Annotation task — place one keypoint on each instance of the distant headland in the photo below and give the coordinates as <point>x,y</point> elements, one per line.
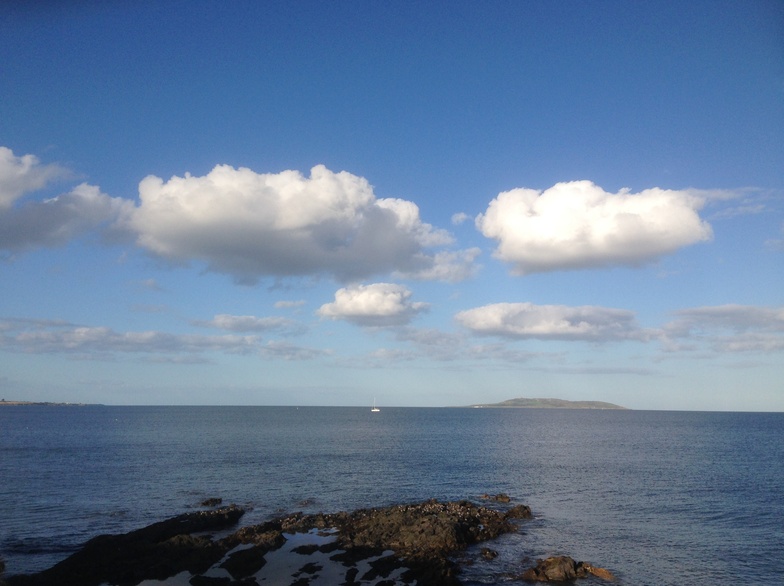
<point>44,403</point>
<point>524,403</point>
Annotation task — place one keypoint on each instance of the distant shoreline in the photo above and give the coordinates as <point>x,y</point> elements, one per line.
<point>40,403</point>
<point>519,403</point>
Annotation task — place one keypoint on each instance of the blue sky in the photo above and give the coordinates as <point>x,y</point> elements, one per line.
<point>320,203</point>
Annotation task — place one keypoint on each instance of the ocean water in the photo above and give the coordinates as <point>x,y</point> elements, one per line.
<point>658,498</point>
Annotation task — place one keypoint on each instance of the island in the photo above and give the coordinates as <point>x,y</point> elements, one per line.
<point>524,403</point>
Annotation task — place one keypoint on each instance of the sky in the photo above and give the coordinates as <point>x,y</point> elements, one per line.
<point>422,204</point>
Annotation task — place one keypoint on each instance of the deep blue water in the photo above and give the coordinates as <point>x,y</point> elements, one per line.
<point>656,497</point>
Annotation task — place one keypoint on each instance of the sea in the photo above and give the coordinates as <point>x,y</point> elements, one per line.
<point>656,497</point>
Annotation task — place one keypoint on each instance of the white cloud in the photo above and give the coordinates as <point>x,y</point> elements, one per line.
<point>776,244</point>
<point>379,304</point>
<point>451,266</point>
<point>151,285</point>
<point>460,218</point>
<point>385,356</point>
<point>103,341</point>
<point>289,304</point>
<point>729,328</point>
<point>578,225</point>
<point>278,350</point>
<point>55,221</point>
<point>740,210</point>
<point>552,322</point>
<point>22,175</point>
<point>25,225</point>
<point>250,323</point>
<point>433,343</point>
<point>251,225</point>
<point>455,347</point>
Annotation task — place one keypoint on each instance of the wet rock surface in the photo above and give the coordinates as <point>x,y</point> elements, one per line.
<point>400,544</point>
<point>563,569</point>
<point>157,551</point>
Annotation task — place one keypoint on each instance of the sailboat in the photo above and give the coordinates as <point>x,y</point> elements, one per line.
<point>375,409</point>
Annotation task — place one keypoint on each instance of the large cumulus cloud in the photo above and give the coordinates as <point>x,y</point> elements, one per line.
<point>250,225</point>
<point>578,225</point>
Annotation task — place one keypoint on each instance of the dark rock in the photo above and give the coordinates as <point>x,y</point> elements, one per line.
<point>267,535</point>
<point>519,512</point>
<point>212,502</point>
<point>561,569</point>
<point>489,554</point>
<point>329,547</point>
<point>158,551</point>
<point>307,549</point>
<point>382,567</point>
<point>418,531</point>
<point>245,562</point>
<point>309,568</point>
<point>351,556</point>
<point>498,498</point>
<point>351,577</point>
<point>423,539</point>
<point>424,535</point>
<point>552,569</point>
<point>598,572</point>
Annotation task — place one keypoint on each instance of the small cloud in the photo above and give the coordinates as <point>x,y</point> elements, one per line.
<point>776,244</point>
<point>376,305</point>
<point>250,323</point>
<point>276,350</point>
<point>446,266</point>
<point>738,202</point>
<point>289,304</point>
<point>145,308</point>
<point>177,359</point>
<point>552,322</point>
<point>460,218</point>
<point>578,225</point>
<point>740,210</point>
<point>386,355</point>
<point>503,353</point>
<point>103,343</point>
<point>727,329</point>
<point>151,285</point>
<point>433,343</point>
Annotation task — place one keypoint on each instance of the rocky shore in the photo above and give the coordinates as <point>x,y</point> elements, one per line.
<point>385,546</point>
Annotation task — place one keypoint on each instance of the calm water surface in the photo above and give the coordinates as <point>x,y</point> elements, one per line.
<point>657,497</point>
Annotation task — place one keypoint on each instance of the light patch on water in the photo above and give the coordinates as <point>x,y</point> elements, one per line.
<point>284,564</point>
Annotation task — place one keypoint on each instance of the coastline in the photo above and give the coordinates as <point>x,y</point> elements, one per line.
<point>422,543</point>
